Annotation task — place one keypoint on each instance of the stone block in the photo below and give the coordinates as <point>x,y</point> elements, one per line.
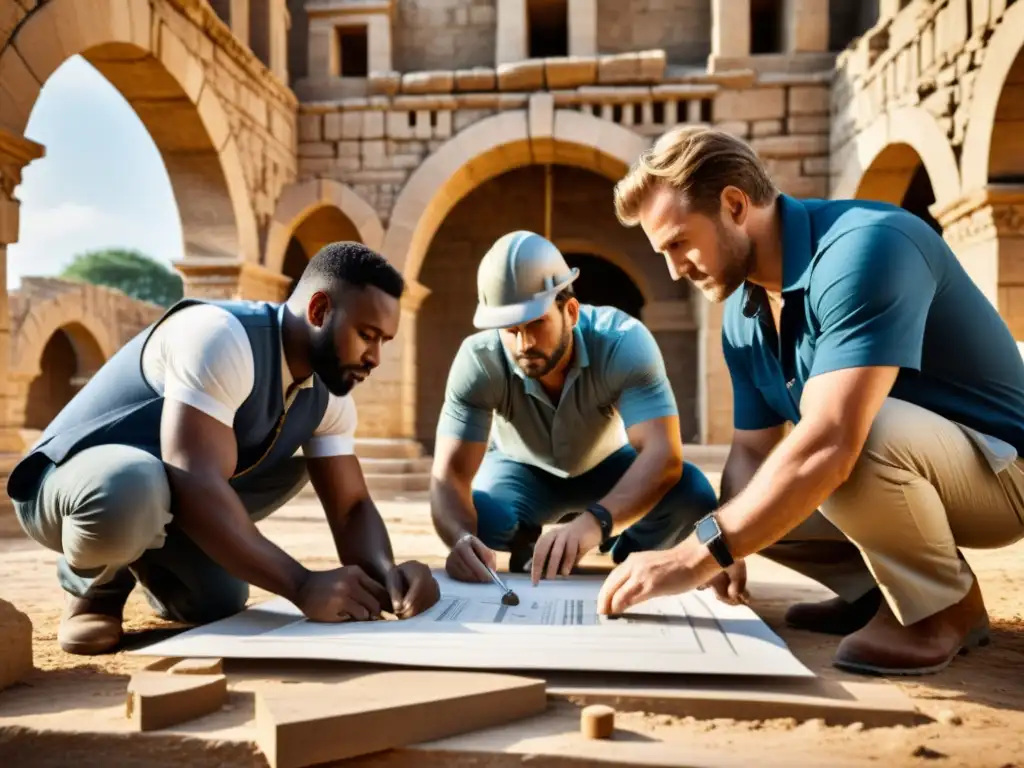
<point>349,148</point>
<point>346,164</point>
<point>782,169</point>
<point>618,68</point>
<point>816,166</point>
<point>374,153</point>
<point>443,126</point>
<point>373,124</point>
<point>805,186</point>
<point>808,124</point>
<point>16,659</point>
<point>766,128</point>
<point>384,83</point>
<point>735,127</point>
<point>521,76</point>
<point>405,162</point>
<point>475,79</point>
<point>652,65</point>
<point>316,149</point>
<point>428,82</point>
<point>750,104</point>
<point>348,125</point>
<point>790,146</point>
<point>570,71</point>
<point>310,128</point>
<point>398,125</point>
<point>808,100</point>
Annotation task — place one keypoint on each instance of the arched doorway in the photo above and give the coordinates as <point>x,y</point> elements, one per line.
<point>325,225</point>
<point>70,356</point>
<point>897,175</point>
<point>576,204</point>
<point>602,283</point>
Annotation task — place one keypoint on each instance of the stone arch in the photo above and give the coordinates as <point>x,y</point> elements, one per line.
<point>612,255</point>
<point>300,202</point>
<point>166,85</point>
<point>1003,61</point>
<point>888,152</point>
<point>488,148</point>
<point>93,341</point>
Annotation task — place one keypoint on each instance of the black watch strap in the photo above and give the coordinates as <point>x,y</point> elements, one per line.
<point>710,534</point>
<point>604,519</point>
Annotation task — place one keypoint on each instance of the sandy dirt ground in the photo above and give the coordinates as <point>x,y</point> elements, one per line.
<point>978,701</point>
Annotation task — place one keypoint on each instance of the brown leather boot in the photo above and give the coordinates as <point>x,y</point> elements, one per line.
<point>835,616</point>
<point>886,647</point>
<point>91,626</point>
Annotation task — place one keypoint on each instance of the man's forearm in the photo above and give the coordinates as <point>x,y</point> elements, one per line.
<point>452,510</point>
<point>209,511</point>
<point>651,475</point>
<point>361,538</point>
<point>802,472</point>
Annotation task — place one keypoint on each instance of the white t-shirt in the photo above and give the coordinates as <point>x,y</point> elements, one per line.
<point>201,356</point>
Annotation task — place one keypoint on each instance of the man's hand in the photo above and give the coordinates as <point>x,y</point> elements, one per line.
<point>342,594</point>
<point>412,588</point>
<point>730,585</point>
<point>469,560</point>
<point>645,575</point>
<point>564,546</point>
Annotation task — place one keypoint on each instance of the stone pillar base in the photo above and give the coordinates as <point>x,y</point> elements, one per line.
<point>211,278</point>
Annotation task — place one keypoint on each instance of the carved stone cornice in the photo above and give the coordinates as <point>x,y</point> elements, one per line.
<point>997,211</point>
<point>15,153</point>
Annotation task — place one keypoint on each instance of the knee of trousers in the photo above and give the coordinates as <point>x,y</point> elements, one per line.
<point>218,600</point>
<point>497,519</point>
<point>690,499</point>
<point>123,516</point>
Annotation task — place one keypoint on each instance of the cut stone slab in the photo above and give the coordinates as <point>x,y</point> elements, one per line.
<point>16,661</point>
<point>157,700</point>
<point>197,667</point>
<point>308,724</point>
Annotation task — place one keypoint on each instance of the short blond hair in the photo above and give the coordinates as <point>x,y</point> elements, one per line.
<point>699,162</point>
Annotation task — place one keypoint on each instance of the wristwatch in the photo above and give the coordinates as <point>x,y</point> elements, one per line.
<point>604,519</point>
<point>710,534</point>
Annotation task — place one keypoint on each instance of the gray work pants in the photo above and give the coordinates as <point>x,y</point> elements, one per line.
<point>108,512</point>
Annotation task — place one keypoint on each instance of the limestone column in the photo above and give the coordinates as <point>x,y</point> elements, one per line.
<point>15,153</point>
<point>323,59</point>
<point>280,21</point>
<point>986,231</point>
<point>511,35</point>
<point>730,28</point>
<point>714,387</point>
<point>805,26</point>
<point>582,27</point>
<point>415,294</point>
<point>674,326</point>
<point>378,42</point>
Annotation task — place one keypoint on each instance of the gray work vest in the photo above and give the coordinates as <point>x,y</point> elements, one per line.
<point>118,406</point>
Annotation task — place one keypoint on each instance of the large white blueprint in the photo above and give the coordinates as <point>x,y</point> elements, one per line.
<point>554,627</point>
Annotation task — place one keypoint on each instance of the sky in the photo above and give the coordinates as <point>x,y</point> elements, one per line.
<point>102,182</point>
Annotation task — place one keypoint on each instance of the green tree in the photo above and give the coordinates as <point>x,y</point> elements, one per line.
<point>130,271</point>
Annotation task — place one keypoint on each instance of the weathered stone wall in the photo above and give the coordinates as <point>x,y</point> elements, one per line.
<point>681,27</point>
<point>442,34</point>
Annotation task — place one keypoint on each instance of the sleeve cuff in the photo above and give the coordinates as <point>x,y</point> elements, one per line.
<point>201,402</point>
<point>329,445</point>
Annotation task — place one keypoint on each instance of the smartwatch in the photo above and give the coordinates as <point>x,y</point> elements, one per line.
<point>710,534</point>
<point>604,519</point>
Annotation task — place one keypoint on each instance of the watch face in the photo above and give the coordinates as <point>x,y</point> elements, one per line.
<point>707,529</point>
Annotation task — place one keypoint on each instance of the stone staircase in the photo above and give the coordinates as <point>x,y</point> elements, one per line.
<point>394,467</point>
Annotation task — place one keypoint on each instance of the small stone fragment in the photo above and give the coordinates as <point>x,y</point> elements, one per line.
<point>855,727</point>
<point>949,717</point>
<point>16,660</point>
<point>926,753</point>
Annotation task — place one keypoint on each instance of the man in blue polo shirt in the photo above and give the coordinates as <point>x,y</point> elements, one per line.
<point>584,421</point>
<point>855,322</point>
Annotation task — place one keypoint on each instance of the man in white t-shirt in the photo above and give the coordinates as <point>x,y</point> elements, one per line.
<point>159,468</point>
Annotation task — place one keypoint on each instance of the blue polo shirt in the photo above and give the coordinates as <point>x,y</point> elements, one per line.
<point>869,284</point>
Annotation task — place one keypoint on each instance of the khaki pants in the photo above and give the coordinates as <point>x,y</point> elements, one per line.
<point>920,489</point>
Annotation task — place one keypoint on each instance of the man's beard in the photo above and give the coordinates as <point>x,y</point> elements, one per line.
<point>547,363</point>
<point>738,260</point>
<point>323,356</point>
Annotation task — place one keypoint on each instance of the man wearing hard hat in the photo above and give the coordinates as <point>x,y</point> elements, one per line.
<point>585,426</point>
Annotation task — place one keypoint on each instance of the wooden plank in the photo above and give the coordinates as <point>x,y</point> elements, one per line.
<point>835,702</point>
<point>305,724</point>
<point>158,700</point>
